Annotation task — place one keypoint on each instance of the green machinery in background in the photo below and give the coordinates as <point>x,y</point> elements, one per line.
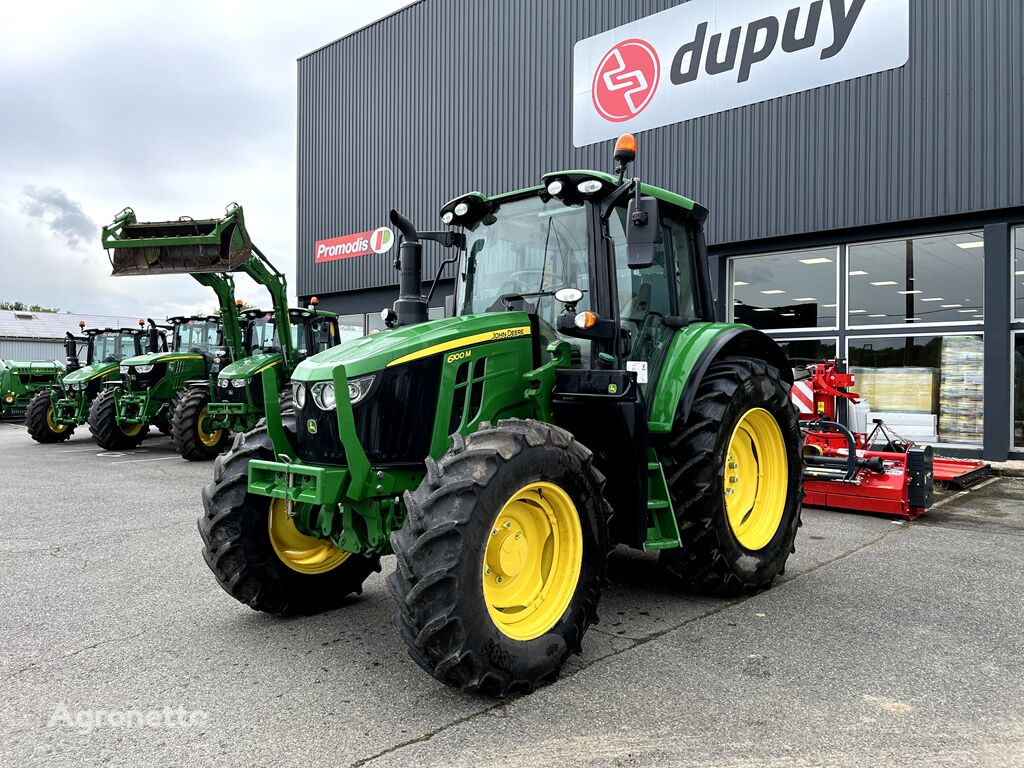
<point>20,381</point>
<point>210,383</point>
<point>55,411</point>
<point>583,373</point>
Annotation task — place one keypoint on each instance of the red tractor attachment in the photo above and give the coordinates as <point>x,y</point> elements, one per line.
<point>878,472</point>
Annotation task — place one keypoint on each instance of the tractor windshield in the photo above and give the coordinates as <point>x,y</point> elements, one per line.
<point>263,335</point>
<point>200,336</point>
<point>111,347</point>
<point>519,256</point>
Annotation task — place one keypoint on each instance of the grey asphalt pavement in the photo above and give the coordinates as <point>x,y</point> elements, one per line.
<point>886,643</point>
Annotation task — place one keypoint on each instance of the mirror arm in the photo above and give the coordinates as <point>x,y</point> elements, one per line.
<point>633,185</point>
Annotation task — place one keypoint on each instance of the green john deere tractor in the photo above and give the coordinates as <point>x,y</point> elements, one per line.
<point>582,374</point>
<point>150,384</point>
<point>223,395</point>
<point>54,412</point>
<point>20,381</point>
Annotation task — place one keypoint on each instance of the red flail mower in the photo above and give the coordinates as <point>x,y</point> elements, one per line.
<point>877,472</point>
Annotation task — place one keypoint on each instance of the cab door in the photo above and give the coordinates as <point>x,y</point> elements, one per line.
<point>654,299</point>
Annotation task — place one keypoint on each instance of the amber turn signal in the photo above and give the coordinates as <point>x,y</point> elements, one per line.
<point>586,319</point>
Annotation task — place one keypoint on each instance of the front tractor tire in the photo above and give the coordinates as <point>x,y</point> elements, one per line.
<point>105,430</point>
<point>39,420</point>
<point>502,558</point>
<point>190,427</point>
<point>256,553</point>
<point>734,470</point>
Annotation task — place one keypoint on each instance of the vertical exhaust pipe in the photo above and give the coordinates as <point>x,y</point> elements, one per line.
<point>411,307</point>
<point>71,348</point>
<point>152,337</point>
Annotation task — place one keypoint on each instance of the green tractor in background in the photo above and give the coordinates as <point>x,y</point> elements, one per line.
<point>20,381</point>
<point>582,374</point>
<point>151,384</point>
<point>214,386</point>
<point>55,411</point>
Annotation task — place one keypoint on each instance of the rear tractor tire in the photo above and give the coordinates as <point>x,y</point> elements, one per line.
<point>105,430</point>
<point>190,429</point>
<point>734,469</point>
<point>39,420</point>
<point>256,553</point>
<point>502,558</point>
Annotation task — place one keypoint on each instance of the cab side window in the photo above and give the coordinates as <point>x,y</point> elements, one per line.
<point>684,266</point>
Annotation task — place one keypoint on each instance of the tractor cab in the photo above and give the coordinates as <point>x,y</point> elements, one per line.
<point>611,265</point>
<point>112,345</point>
<point>312,331</point>
<point>198,335</point>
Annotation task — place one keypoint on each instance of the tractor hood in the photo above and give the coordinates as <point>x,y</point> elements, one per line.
<point>250,366</point>
<point>412,342</point>
<point>89,372</point>
<point>15,366</point>
<point>160,357</point>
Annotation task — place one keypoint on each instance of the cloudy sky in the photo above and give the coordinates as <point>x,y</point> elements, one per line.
<point>170,108</point>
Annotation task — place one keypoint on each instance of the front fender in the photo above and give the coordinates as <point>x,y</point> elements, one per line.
<point>692,352</point>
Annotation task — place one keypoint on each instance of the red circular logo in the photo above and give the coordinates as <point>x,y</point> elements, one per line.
<point>625,80</point>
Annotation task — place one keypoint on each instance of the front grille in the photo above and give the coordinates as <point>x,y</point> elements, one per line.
<point>396,420</point>
<point>140,382</point>
<point>394,423</point>
<point>323,447</point>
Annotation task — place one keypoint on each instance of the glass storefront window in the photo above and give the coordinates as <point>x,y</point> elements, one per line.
<point>1018,389</point>
<point>929,389</point>
<point>806,351</point>
<point>1018,273</point>
<point>933,279</point>
<point>796,289</point>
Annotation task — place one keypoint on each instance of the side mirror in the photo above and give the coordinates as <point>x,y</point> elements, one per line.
<point>643,231</point>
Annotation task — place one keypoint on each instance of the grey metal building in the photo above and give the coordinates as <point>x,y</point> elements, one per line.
<point>879,217</point>
<point>29,336</point>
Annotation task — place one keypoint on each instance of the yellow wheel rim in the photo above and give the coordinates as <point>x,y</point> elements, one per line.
<point>53,425</point>
<point>208,438</point>
<point>131,430</point>
<point>302,553</point>
<point>532,561</point>
<point>756,479</point>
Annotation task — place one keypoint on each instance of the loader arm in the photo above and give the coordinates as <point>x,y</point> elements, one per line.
<point>224,286</point>
<point>259,268</point>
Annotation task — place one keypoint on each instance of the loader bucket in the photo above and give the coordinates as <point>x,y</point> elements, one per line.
<point>176,247</point>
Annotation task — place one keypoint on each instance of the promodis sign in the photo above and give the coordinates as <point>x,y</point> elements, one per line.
<point>360,244</point>
<point>706,56</point>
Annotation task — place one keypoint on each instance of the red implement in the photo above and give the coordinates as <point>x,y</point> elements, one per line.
<point>878,472</point>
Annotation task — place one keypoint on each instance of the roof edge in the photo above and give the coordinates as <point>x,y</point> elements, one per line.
<point>360,29</point>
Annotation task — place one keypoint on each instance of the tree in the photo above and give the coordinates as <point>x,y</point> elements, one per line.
<point>20,306</point>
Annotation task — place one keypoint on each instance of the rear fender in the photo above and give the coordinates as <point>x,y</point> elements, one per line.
<point>692,352</point>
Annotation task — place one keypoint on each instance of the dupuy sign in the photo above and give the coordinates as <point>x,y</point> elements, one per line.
<point>706,56</point>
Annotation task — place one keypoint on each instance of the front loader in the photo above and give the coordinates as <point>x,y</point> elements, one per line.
<point>55,412</point>
<point>582,396</point>
<point>226,395</point>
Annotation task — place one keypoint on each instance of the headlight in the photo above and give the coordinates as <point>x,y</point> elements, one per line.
<point>223,383</point>
<point>555,188</point>
<point>124,369</point>
<point>589,186</point>
<point>299,395</point>
<point>359,388</point>
<point>143,368</point>
<point>238,383</point>
<point>446,217</point>
<point>323,395</point>
<point>461,209</point>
